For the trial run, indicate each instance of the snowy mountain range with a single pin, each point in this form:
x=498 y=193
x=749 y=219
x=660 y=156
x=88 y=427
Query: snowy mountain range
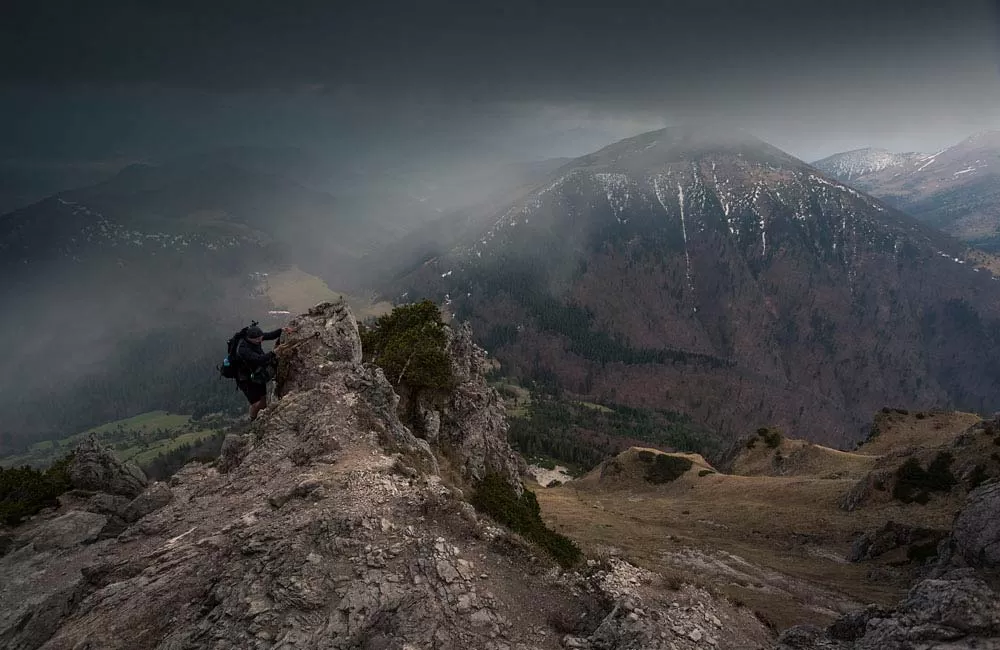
x=858 y=163
x=956 y=189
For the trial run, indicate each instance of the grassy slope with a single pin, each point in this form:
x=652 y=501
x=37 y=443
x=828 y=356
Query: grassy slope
x=42 y=454
x=297 y=291
x=789 y=528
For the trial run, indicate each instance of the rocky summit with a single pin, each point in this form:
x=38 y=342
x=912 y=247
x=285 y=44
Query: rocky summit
x=331 y=525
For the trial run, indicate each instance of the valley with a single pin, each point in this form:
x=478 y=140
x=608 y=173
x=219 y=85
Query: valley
x=773 y=533
x=140 y=439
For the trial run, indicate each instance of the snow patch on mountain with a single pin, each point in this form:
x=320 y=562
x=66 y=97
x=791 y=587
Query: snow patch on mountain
x=616 y=187
x=852 y=165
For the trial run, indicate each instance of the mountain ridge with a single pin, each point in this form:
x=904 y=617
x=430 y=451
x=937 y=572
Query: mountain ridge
x=953 y=189
x=671 y=247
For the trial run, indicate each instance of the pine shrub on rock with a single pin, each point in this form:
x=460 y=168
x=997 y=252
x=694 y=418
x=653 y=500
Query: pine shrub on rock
x=410 y=346
x=914 y=483
x=495 y=497
x=25 y=491
x=667 y=468
x=772 y=437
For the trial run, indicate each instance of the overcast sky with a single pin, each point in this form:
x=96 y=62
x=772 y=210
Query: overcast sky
x=97 y=81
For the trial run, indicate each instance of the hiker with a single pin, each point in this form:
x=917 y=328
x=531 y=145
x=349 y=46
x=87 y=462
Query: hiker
x=256 y=367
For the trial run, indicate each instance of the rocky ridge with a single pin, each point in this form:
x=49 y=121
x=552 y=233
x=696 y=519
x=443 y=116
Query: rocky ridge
x=329 y=525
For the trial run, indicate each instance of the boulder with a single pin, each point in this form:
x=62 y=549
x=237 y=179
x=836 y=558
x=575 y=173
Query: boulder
x=152 y=499
x=95 y=467
x=976 y=537
x=892 y=536
x=878 y=480
x=111 y=505
x=71 y=529
x=234 y=448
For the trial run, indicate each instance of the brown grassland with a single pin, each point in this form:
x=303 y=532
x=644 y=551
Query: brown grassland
x=771 y=534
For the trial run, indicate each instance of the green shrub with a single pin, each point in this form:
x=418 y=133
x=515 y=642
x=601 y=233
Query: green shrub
x=914 y=483
x=909 y=478
x=752 y=442
x=410 y=346
x=772 y=438
x=25 y=491
x=939 y=476
x=667 y=468
x=495 y=497
x=646 y=456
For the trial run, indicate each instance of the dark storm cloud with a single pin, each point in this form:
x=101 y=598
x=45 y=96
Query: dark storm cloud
x=513 y=49
x=855 y=71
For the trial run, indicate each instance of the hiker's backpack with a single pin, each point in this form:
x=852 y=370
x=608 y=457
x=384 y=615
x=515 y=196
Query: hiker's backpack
x=230 y=368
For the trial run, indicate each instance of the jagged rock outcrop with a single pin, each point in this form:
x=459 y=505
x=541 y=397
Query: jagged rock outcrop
x=891 y=536
x=472 y=423
x=857 y=496
x=153 y=498
x=956 y=608
x=234 y=448
x=43 y=567
x=95 y=468
x=334 y=530
x=976 y=538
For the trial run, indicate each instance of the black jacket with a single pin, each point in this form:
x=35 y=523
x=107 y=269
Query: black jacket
x=252 y=355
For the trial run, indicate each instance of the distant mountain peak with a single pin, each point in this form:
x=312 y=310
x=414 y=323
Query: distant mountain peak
x=850 y=165
x=981 y=140
x=649 y=151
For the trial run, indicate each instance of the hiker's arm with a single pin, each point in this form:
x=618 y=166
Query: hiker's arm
x=270 y=336
x=255 y=358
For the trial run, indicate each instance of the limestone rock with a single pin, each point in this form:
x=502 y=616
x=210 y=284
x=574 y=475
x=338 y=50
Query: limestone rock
x=891 y=536
x=234 y=448
x=325 y=338
x=111 y=505
x=976 y=538
x=96 y=468
x=68 y=530
x=471 y=425
x=153 y=498
x=857 y=496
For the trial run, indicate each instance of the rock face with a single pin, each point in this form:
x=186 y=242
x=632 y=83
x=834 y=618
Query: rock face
x=976 y=539
x=892 y=536
x=334 y=530
x=954 y=609
x=43 y=569
x=471 y=425
x=95 y=468
x=153 y=498
x=858 y=495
